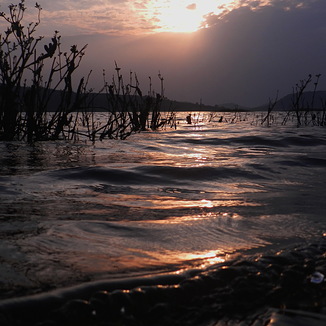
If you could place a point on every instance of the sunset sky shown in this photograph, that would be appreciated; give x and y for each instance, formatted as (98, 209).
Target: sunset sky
(219, 51)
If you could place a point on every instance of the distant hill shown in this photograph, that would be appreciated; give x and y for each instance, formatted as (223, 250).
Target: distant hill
(188, 106)
(100, 103)
(283, 104)
(235, 107)
(309, 100)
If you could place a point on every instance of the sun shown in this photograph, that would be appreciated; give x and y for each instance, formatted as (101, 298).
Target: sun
(181, 16)
(178, 18)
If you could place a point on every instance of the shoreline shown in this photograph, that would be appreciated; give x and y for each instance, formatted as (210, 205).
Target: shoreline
(265, 290)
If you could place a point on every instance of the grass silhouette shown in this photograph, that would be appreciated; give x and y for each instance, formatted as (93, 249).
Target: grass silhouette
(33, 83)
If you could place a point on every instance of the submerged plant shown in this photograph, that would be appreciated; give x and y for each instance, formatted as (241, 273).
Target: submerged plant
(37, 97)
(272, 103)
(25, 92)
(125, 109)
(303, 110)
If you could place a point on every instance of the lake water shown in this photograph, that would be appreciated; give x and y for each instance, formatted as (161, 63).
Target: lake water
(166, 201)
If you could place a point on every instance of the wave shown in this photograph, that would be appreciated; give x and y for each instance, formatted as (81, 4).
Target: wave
(261, 289)
(272, 141)
(154, 174)
(159, 201)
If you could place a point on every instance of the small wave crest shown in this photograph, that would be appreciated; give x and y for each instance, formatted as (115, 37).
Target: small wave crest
(154, 174)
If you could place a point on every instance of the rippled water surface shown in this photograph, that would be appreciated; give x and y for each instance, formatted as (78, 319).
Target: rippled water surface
(158, 201)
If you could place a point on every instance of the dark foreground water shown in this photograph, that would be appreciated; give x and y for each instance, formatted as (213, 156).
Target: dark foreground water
(179, 202)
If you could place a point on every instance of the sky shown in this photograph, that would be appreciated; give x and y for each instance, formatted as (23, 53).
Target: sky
(214, 51)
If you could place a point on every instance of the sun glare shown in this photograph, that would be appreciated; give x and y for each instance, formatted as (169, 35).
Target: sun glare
(182, 16)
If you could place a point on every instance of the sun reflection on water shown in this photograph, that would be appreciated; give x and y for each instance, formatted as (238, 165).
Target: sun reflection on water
(184, 219)
(205, 258)
(196, 259)
(166, 202)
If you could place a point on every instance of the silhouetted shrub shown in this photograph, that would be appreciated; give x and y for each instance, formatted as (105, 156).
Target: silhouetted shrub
(37, 98)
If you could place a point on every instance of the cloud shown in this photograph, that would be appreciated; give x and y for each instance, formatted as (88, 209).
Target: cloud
(192, 6)
(247, 52)
(247, 55)
(75, 17)
(243, 57)
(229, 8)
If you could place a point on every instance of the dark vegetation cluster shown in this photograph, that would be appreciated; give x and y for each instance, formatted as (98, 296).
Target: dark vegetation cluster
(303, 109)
(39, 100)
(42, 99)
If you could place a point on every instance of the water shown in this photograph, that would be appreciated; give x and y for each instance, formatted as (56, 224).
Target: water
(164, 201)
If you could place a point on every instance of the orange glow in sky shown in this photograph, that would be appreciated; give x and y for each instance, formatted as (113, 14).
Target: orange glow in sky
(194, 43)
(121, 17)
(182, 16)
(126, 17)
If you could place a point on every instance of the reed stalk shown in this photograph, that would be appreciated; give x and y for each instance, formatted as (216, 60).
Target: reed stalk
(38, 100)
